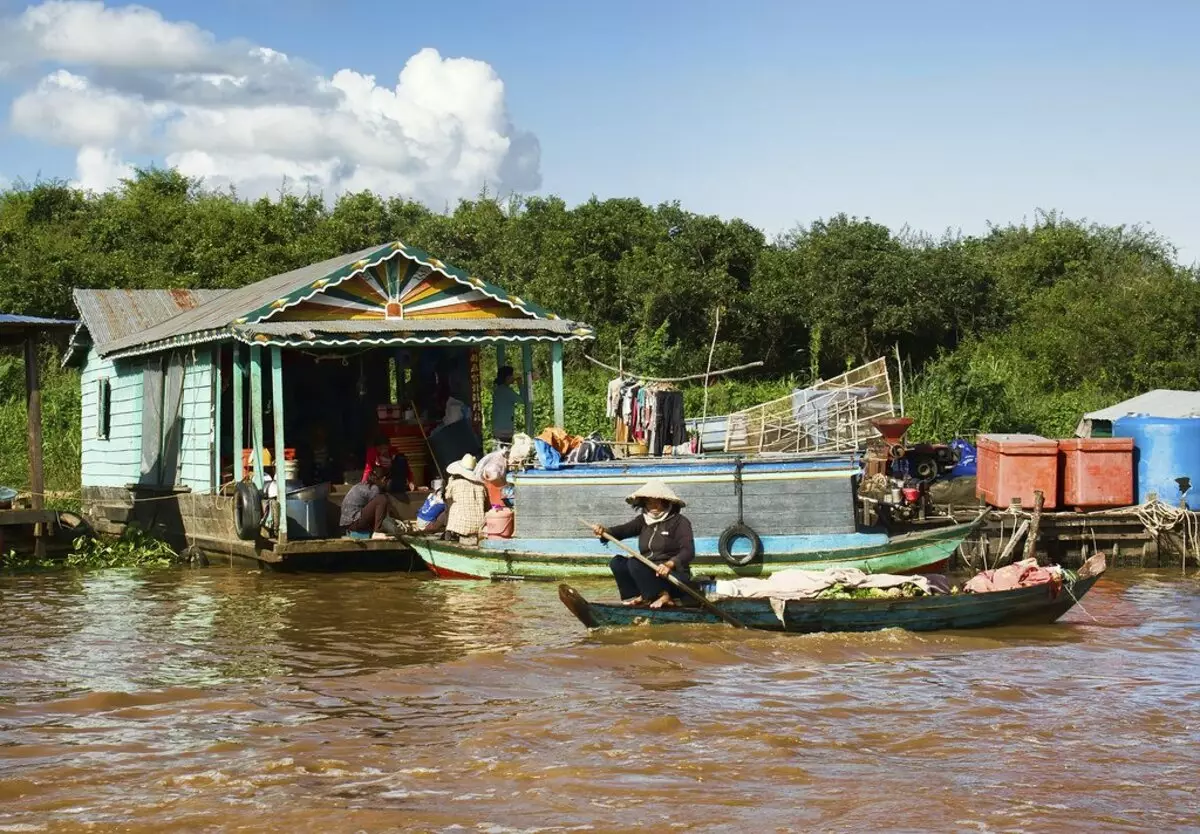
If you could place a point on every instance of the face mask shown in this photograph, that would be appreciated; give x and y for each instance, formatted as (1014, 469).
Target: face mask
(655, 518)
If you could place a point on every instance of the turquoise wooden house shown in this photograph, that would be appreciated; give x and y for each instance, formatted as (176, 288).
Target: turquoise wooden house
(183, 390)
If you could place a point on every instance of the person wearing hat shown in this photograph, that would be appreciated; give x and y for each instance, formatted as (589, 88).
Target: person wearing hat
(466, 500)
(664, 537)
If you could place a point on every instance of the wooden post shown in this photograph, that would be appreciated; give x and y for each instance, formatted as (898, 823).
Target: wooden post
(501, 358)
(1035, 524)
(216, 445)
(33, 412)
(527, 371)
(239, 409)
(280, 478)
(556, 371)
(256, 412)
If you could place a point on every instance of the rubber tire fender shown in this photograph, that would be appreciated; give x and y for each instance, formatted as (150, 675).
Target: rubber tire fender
(732, 534)
(247, 511)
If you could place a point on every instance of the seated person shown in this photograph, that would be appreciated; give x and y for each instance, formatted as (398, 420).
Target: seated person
(365, 508)
(664, 537)
(466, 501)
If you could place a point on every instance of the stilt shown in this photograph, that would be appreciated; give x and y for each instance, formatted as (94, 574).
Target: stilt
(556, 371)
(33, 410)
(239, 409)
(280, 477)
(527, 371)
(256, 412)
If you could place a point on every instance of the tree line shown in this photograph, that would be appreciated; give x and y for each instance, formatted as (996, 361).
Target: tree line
(1019, 328)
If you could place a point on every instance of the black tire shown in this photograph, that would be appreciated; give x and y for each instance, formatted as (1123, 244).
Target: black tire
(247, 511)
(732, 534)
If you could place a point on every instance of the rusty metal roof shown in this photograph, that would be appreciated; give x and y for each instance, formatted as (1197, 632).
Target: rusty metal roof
(112, 315)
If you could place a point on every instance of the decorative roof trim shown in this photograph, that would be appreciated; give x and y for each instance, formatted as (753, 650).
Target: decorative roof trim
(386, 340)
(382, 255)
(191, 339)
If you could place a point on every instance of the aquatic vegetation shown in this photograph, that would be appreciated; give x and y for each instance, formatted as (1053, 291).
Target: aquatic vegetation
(134, 549)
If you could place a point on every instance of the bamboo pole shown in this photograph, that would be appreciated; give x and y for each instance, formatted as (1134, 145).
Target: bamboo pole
(1035, 525)
(644, 378)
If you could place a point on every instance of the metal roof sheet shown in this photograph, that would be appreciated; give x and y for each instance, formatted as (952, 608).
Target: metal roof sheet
(475, 326)
(111, 315)
(220, 313)
(1161, 402)
(257, 302)
(11, 320)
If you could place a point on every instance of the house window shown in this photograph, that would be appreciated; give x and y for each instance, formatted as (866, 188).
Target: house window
(103, 408)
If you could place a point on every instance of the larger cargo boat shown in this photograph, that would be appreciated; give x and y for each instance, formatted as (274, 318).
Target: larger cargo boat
(750, 517)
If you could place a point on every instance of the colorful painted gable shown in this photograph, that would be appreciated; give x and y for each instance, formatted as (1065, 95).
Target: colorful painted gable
(398, 288)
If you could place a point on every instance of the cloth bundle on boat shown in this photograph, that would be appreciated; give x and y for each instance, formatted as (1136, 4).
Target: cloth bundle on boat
(1021, 574)
(554, 446)
(805, 584)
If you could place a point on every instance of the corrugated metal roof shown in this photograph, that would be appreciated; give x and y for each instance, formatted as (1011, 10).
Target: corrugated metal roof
(255, 303)
(1162, 402)
(475, 326)
(8, 320)
(112, 315)
(218, 314)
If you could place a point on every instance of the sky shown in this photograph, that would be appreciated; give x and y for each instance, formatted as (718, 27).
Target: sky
(933, 115)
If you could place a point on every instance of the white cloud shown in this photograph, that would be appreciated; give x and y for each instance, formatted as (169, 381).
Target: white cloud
(249, 116)
(99, 169)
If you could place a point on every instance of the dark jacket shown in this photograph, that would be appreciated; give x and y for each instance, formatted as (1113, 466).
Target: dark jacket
(671, 539)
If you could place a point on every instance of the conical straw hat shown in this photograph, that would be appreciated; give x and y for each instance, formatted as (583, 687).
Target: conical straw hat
(656, 489)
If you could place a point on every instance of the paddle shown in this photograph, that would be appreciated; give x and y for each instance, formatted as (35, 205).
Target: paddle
(674, 580)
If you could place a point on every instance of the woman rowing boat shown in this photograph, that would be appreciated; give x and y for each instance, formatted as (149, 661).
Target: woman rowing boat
(664, 537)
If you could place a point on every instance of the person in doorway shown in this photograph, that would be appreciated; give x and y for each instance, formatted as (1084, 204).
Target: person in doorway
(466, 501)
(504, 404)
(365, 508)
(664, 537)
(397, 476)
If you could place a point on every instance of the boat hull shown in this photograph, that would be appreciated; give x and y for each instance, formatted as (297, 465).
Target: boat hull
(1040, 604)
(925, 551)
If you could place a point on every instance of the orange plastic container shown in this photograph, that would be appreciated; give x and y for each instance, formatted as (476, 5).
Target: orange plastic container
(1013, 466)
(1096, 472)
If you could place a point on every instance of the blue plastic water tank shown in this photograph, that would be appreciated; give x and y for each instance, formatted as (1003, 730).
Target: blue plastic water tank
(1164, 448)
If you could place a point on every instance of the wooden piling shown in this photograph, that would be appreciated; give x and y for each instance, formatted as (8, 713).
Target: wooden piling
(33, 409)
(1035, 525)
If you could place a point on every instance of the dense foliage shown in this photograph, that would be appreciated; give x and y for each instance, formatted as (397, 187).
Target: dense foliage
(1020, 328)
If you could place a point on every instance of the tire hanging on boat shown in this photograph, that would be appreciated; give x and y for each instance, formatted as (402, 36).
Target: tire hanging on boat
(741, 530)
(247, 511)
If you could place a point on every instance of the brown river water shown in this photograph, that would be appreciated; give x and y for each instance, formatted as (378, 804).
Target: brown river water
(225, 699)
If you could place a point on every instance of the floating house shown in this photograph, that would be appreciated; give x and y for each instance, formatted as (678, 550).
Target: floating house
(188, 392)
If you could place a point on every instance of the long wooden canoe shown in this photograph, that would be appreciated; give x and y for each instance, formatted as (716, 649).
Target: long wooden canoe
(927, 550)
(1037, 604)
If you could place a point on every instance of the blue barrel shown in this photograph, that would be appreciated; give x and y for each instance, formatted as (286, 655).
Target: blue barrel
(1164, 448)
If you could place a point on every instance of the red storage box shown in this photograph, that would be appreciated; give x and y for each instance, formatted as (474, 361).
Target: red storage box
(1097, 472)
(1013, 466)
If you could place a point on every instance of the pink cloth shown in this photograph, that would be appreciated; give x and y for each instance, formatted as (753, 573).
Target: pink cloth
(1021, 574)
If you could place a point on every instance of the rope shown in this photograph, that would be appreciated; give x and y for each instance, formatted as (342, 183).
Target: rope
(1159, 517)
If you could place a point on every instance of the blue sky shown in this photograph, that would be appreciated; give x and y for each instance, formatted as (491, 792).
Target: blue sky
(935, 114)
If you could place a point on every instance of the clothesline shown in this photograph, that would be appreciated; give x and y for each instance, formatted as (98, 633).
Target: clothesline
(630, 375)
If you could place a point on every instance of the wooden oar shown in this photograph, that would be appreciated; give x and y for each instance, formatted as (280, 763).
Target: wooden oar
(674, 580)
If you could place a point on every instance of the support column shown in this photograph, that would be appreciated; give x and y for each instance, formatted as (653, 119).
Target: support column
(501, 356)
(256, 412)
(239, 409)
(280, 445)
(556, 372)
(527, 376)
(33, 412)
(216, 445)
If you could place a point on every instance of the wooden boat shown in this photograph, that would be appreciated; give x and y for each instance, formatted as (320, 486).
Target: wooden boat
(513, 559)
(1037, 604)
